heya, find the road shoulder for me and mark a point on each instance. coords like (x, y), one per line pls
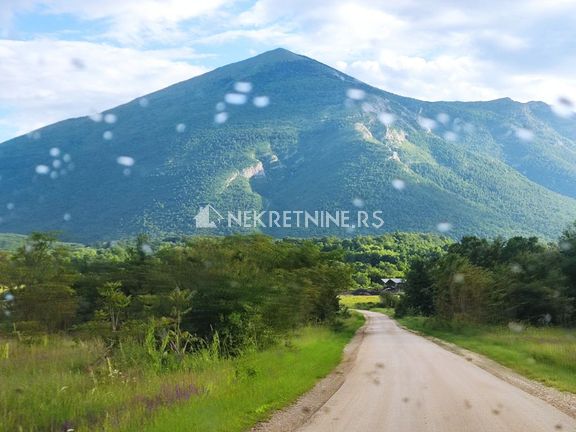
(563, 401)
(297, 414)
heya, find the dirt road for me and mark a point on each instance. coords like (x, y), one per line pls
(401, 382)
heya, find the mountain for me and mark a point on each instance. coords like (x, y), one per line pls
(281, 131)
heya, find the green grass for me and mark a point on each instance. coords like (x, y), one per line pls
(11, 242)
(352, 301)
(53, 382)
(386, 311)
(546, 354)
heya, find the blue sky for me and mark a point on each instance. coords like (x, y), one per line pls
(67, 58)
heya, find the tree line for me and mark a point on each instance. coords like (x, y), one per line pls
(496, 281)
(242, 290)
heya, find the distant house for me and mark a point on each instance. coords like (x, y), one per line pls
(392, 284)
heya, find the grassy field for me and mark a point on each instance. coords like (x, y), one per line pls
(547, 354)
(56, 384)
(10, 242)
(352, 301)
(385, 311)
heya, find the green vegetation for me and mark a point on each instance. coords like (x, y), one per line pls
(389, 255)
(11, 242)
(353, 301)
(271, 380)
(496, 281)
(319, 151)
(107, 338)
(545, 354)
(59, 383)
(215, 333)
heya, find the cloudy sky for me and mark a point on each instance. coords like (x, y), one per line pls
(64, 58)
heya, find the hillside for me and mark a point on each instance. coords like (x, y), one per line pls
(301, 136)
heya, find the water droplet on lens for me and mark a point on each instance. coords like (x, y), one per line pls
(125, 161)
(386, 118)
(516, 268)
(563, 108)
(443, 118)
(355, 94)
(221, 117)
(110, 118)
(96, 117)
(398, 184)
(444, 227)
(458, 278)
(146, 249)
(516, 327)
(261, 101)
(358, 202)
(108, 135)
(524, 134)
(243, 87)
(235, 98)
(180, 127)
(426, 123)
(42, 169)
(54, 152)
(67, 217)
(78, 63)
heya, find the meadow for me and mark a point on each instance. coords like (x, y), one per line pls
(355, 301)
(56, 383)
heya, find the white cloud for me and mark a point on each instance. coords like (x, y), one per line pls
(465, 50)
(45, 81)
(447, 49)
(127, 21)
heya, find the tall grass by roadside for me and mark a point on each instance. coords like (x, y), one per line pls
(57, 383)
(546, 354)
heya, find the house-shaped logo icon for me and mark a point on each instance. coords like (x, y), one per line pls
(207, 217)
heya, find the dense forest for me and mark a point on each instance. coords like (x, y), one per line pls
(242, 288)
(496, 281)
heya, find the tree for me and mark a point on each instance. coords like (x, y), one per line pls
(42, 270)
(419, 289)
(462, 290)
(181, 304)
(568, 264)
(115, 301)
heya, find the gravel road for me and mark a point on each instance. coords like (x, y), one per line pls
(401, 382)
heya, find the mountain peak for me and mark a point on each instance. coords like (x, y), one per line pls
(279, 54)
